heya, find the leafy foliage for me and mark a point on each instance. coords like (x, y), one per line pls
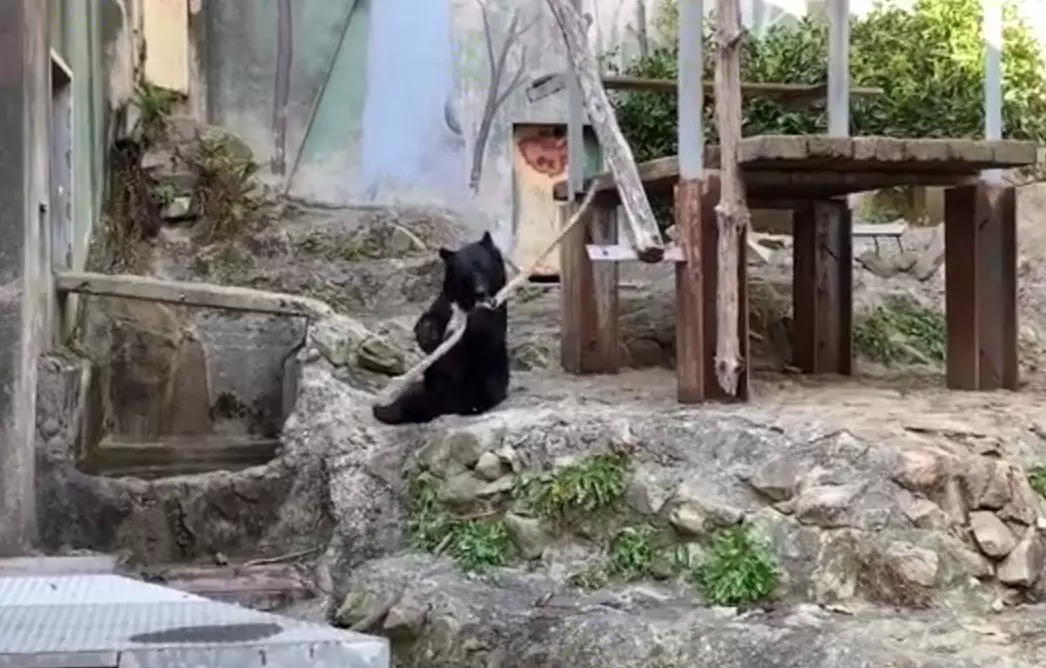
(590, 485)
(900, 330)
(739, 569)
(929, 61)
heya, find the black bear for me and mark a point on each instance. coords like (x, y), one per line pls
(473, 376)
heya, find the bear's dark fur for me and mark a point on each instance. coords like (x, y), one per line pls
(473, 376)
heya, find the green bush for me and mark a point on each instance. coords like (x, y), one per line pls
(929, 61)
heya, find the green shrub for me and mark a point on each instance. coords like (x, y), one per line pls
(739, 569)
(929, 61)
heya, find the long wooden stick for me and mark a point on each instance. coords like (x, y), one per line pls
(400, 384)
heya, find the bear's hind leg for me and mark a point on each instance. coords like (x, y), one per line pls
(416, 406)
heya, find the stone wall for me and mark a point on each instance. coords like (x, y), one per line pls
(24, 269)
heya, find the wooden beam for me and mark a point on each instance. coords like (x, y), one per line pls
(732, 211)
(822, 288)
(642, 227)
(788, 94)
(980, 268)
(588, 297)
(203, 295)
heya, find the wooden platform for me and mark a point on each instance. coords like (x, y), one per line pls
(782, 171)
(807, 175)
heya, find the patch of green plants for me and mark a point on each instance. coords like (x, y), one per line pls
(1037, 480)
(588, 486)
(225, 188)
(928, 60)
(164, 194)
(738, 569)
(901, 331)
(155, 105)
(476, 544)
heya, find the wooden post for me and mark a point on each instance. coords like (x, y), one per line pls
(822, 288)
(732, 212)
(642, 227)
(588, 295)
(980, 266)
(690, 293)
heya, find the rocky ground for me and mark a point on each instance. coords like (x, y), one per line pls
(592, 521)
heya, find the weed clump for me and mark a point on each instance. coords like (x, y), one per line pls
(226, 190)
(738, 569)
(592, 485)
(1037, 480)
(901, 331)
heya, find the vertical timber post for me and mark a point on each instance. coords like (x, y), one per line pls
(690, 293)
(575, 130)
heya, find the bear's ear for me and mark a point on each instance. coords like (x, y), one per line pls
(445, 253)
(487, 240)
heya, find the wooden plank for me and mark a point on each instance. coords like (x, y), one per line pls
(981, 287)
(690, 295)
(788, 94)
(576, 281)
(852, 162)
(822, 289)
(602, 356)
(642, 227)
(203, 295)
(875, 230)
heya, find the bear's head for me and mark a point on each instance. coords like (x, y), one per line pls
(473, 273)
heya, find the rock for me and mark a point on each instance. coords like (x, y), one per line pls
(647, 492)
(1024, 505)
(912, 564)
(699, 515)
(509, 455)
(337, 337)
(926, 514)
(403, 242)
(952, 503)
(778, 479)
(502, 485)
(178, 208)
(355, 608)
(490, 467)
(992, 536)
(826, 506)
(834, 577)
(467, 444)
(1024, 564)
(528, 534)
(878, 265)
(930, 261)
(405, 619)
(924, 470)
(375, 354)
(986, 483)
(461, 489)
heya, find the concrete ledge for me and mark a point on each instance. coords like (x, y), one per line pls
(91, 565)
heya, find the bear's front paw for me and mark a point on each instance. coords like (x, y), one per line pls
(428, 336)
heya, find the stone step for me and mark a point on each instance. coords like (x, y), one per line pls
(267, 587)
(182, 455)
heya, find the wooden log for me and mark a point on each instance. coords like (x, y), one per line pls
(204, 295)
(588, 297)
(732, 211)
(642, 227)
(980, 268)
(822, 288)
(690, 295)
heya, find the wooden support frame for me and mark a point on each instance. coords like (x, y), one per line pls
(697, 289)
(588, 295)
(980, 245)
(822, 288)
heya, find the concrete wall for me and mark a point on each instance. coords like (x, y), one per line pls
(24, 101)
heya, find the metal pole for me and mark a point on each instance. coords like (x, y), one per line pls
(839, 68)
(992, 31)
(691, 90)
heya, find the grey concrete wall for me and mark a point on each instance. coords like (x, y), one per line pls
(24, 132)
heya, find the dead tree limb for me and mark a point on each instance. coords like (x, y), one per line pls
(400, 384)
(646, 237)
(496, 96)
(732, 211)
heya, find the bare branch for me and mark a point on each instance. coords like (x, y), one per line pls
(488, 37)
